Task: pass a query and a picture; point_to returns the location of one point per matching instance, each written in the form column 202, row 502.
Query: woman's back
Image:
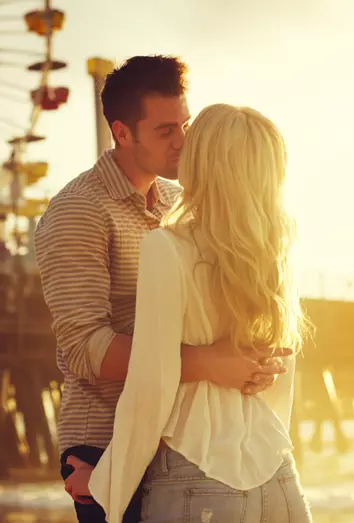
column 233, row 438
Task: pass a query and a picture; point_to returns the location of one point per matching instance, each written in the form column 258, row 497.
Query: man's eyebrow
column 171, row 124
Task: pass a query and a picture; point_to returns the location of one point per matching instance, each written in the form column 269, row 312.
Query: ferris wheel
column 15, row 172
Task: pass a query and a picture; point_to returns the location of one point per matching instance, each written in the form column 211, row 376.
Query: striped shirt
column 87, row 246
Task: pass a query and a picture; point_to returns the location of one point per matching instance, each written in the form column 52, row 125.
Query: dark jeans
column 95, row 513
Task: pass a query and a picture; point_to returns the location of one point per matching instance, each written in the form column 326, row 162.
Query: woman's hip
column 175, row 491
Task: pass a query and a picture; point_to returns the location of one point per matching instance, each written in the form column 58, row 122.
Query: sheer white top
column 236, row 439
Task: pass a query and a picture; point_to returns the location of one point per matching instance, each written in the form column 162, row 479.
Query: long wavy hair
column 232, row 170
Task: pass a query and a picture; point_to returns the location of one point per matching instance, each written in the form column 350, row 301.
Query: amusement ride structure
column 30, row 384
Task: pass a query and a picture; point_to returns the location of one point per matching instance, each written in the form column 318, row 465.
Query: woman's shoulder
column 165, row 239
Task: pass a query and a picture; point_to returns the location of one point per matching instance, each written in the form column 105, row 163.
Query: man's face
column 159, row 136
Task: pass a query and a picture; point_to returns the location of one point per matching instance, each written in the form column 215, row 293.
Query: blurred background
column 290, row 60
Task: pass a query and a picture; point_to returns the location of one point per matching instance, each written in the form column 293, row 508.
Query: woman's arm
column 153, row 376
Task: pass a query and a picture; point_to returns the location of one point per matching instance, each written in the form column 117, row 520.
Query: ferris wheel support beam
column 98, row 68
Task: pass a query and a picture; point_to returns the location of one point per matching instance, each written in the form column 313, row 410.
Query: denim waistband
column 167, row 459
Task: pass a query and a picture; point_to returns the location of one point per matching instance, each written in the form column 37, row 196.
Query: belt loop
column 164, row 465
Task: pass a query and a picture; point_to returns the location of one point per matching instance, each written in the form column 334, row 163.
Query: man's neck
column 142, row 181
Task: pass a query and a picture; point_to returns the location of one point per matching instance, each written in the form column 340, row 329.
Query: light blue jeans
column 176, row 491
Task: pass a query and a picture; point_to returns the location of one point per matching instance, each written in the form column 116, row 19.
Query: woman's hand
column 76, row 485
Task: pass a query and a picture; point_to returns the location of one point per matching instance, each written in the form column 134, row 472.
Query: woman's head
column 232, row 169
column 232, row 155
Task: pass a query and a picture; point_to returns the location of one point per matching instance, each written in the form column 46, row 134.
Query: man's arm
column 217, row 363
column 72, row 252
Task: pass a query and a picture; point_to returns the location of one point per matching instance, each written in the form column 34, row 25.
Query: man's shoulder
column 80, row 195
column 84, row 185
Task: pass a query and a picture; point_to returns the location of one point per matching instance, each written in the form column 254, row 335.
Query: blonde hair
column 232, row 170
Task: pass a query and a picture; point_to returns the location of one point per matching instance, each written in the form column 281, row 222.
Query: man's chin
column 169, row 175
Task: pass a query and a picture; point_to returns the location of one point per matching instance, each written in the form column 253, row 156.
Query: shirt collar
column 159, row 191
column 115, row 181
column 118, row 185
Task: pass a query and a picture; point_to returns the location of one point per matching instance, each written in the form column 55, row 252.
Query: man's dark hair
column 127, row 85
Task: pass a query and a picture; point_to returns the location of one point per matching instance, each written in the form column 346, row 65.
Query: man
column 87, row 247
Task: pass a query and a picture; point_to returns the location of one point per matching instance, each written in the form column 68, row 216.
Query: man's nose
column 178, row 139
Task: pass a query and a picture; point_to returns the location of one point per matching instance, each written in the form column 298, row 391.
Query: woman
column 219, row 266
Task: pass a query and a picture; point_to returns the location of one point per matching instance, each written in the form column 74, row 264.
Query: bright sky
column 292, row 60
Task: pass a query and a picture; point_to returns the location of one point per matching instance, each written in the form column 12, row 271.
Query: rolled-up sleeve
column 71, row 244
column 153, row 376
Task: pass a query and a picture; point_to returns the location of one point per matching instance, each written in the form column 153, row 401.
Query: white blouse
column 236, row 439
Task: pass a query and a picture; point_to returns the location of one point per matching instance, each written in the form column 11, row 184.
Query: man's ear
column 122, row 134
